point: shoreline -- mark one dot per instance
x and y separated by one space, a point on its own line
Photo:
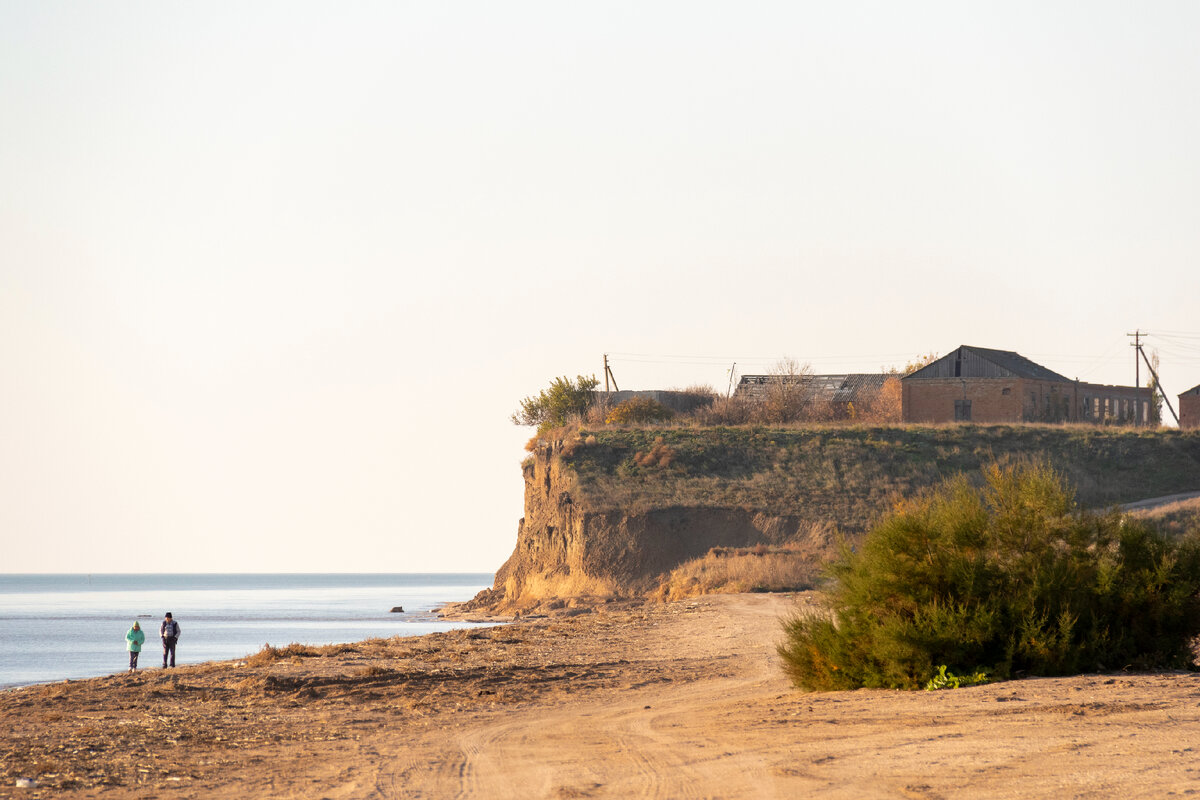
225 616
643 699
474 619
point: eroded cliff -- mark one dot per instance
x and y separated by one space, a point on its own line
567 549
608 513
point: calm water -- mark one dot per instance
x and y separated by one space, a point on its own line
73 626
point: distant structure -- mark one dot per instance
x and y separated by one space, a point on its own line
1189 408
977 384
838 395
679 402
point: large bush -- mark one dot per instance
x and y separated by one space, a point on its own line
565 401
1011 578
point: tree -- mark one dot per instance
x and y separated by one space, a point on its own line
919 362
565 401
788 390
1156 397
884 407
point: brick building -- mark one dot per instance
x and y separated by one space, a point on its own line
977 384
1189 408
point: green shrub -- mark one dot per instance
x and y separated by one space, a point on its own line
1011 578
944 679
565 401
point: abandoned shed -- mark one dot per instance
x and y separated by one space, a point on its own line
978 384
834 396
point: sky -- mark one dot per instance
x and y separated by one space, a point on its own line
274 275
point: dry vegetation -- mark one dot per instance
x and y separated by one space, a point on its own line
783 404
732 570
848 474
1177 519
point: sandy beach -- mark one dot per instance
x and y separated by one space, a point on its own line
672 700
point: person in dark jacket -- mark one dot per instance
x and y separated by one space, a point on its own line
133 643
169 631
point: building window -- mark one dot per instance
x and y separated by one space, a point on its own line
962 410
1006 391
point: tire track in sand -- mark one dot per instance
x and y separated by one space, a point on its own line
636 742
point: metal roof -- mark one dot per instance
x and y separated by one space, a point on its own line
965 362
831 388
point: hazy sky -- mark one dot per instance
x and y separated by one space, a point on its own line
274 275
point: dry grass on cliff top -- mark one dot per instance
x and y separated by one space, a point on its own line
849 474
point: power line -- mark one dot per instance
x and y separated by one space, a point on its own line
1186 334
726 358
876 360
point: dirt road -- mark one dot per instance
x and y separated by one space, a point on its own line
740 731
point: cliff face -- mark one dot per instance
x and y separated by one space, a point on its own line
610 512
564 550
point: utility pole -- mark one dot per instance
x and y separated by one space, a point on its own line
608 373
1158 383
732 368
1137 375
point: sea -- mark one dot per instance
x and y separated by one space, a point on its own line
58 627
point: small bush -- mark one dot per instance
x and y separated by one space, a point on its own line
638 410
1005 579
374 671
660 455
736 410
944 679
269 654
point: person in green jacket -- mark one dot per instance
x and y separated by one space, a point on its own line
133 640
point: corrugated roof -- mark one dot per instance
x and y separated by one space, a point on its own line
832 388
1013 363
